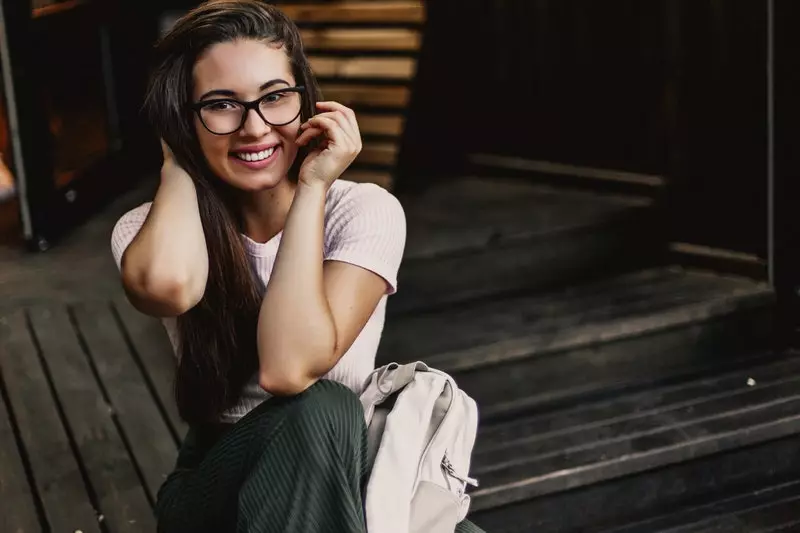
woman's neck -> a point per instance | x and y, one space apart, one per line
264 212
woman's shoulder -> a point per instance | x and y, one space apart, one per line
126 228
365 226
359 199
137 213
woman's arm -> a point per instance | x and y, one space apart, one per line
165 268
311 312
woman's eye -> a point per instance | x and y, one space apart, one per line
272 98
221 106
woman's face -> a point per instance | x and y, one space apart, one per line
258 156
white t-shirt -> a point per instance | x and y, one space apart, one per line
365 225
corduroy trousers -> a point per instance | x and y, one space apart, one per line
292 465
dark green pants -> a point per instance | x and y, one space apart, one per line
291 465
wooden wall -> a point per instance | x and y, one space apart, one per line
364 54
672 88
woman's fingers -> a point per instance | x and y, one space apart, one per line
346 111
343 124
332 130
308 134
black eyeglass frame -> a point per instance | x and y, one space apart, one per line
197 107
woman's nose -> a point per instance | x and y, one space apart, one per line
254 125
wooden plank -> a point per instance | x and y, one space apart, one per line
395 68
357 12
152 346
17 510
120 496
55 470
147 432
378 153
394 39
502 162
365 95
381 124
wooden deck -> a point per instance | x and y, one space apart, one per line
88 428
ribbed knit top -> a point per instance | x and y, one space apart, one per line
365 226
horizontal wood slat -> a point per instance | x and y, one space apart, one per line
357 12
378 153
395 68
364 95
381 124
364 54
395 39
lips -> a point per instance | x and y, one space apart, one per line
256 157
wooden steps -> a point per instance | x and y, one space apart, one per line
364 55
561 174
677 453
603 391
474 237
534 351
769 510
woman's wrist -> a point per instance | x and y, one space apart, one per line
313 186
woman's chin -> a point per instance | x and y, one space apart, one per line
256 181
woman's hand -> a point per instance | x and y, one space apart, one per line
170 168
338 149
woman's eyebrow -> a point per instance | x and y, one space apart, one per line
232 94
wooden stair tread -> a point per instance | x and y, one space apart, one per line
772 509
472 212
697 424
482 334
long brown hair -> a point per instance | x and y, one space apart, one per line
218 336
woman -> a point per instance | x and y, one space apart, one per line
271 277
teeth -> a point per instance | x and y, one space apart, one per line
255 156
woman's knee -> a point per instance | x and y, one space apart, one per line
328 405
324 421
325 413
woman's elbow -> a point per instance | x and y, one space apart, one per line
285 384
172 294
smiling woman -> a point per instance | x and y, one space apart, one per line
242 115
271 275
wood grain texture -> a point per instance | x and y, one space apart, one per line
355 68
152 347
357 12
120 496
371 39
17 509
146 431
56 472
355 95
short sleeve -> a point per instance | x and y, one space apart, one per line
367 228
126 228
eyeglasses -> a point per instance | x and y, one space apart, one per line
223 116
